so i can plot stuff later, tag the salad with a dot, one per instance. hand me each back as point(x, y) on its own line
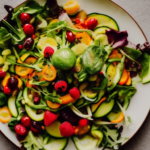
point(67, 74)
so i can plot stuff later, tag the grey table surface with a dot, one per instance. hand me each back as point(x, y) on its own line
point(140, 11)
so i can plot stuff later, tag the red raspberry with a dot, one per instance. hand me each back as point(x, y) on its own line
point(66, 129)
point(49, 118)
point(61, 86)
point(48, 51)
point(83, 122)
point(75, 93)
point(20, 129)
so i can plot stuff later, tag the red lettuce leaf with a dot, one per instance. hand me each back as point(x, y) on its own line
point(117, 39)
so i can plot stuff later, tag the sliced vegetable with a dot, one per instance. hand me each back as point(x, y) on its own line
point(12, 106)
point(47, 41)
point(53, 129)
point(111, 73)
point(103, 20)
point(101, 30)
point(104, 108)
point(53, 105)
point(115, 117)
point(66, 99)
point(85, 143)
point(79, 48)
point(129, 81)
point(5, 80)
point(24, 71)
point(95, 106)
point(119, 71)
point(5, 115)
point(124, 77)
point(97, 134)
point(84, 38)
point(56, 144)
point(49, 72)
point(32, 113)
point(71, 7)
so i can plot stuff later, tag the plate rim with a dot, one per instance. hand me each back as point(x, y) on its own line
point(146, 41)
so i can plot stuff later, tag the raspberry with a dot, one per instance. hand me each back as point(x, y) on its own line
point(48, 51)
point(83, 122)
point(61, 86)
point(66, 129)
point(75, 93)
point(49, 118)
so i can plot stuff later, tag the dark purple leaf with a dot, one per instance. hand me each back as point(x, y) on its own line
point(55, 9)
point(133, 74)
point(116, 38)
point(144, 47)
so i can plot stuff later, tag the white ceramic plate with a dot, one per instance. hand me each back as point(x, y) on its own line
point(140, 103)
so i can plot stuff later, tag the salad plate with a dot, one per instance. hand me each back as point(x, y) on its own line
point(140, 104)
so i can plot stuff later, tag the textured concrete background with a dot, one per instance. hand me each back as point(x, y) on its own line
point(140, 11)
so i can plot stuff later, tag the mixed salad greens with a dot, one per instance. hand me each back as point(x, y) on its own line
point(67, 74)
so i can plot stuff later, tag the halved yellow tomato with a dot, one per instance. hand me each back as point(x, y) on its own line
point(49, 72)
point(71, 7)
point(83, 37)
point(5, 115)
point(24, 71)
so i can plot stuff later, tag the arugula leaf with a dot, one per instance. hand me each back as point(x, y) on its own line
point(32, 143)
point(34, 66)
point(112, 139)
point(18, 34)
point(103, 85)
point(54, 26)
point(108, 49)
point(5, 37)
point(19, 106)
point(31, 7)
point(93, 59)
point(43, 22)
